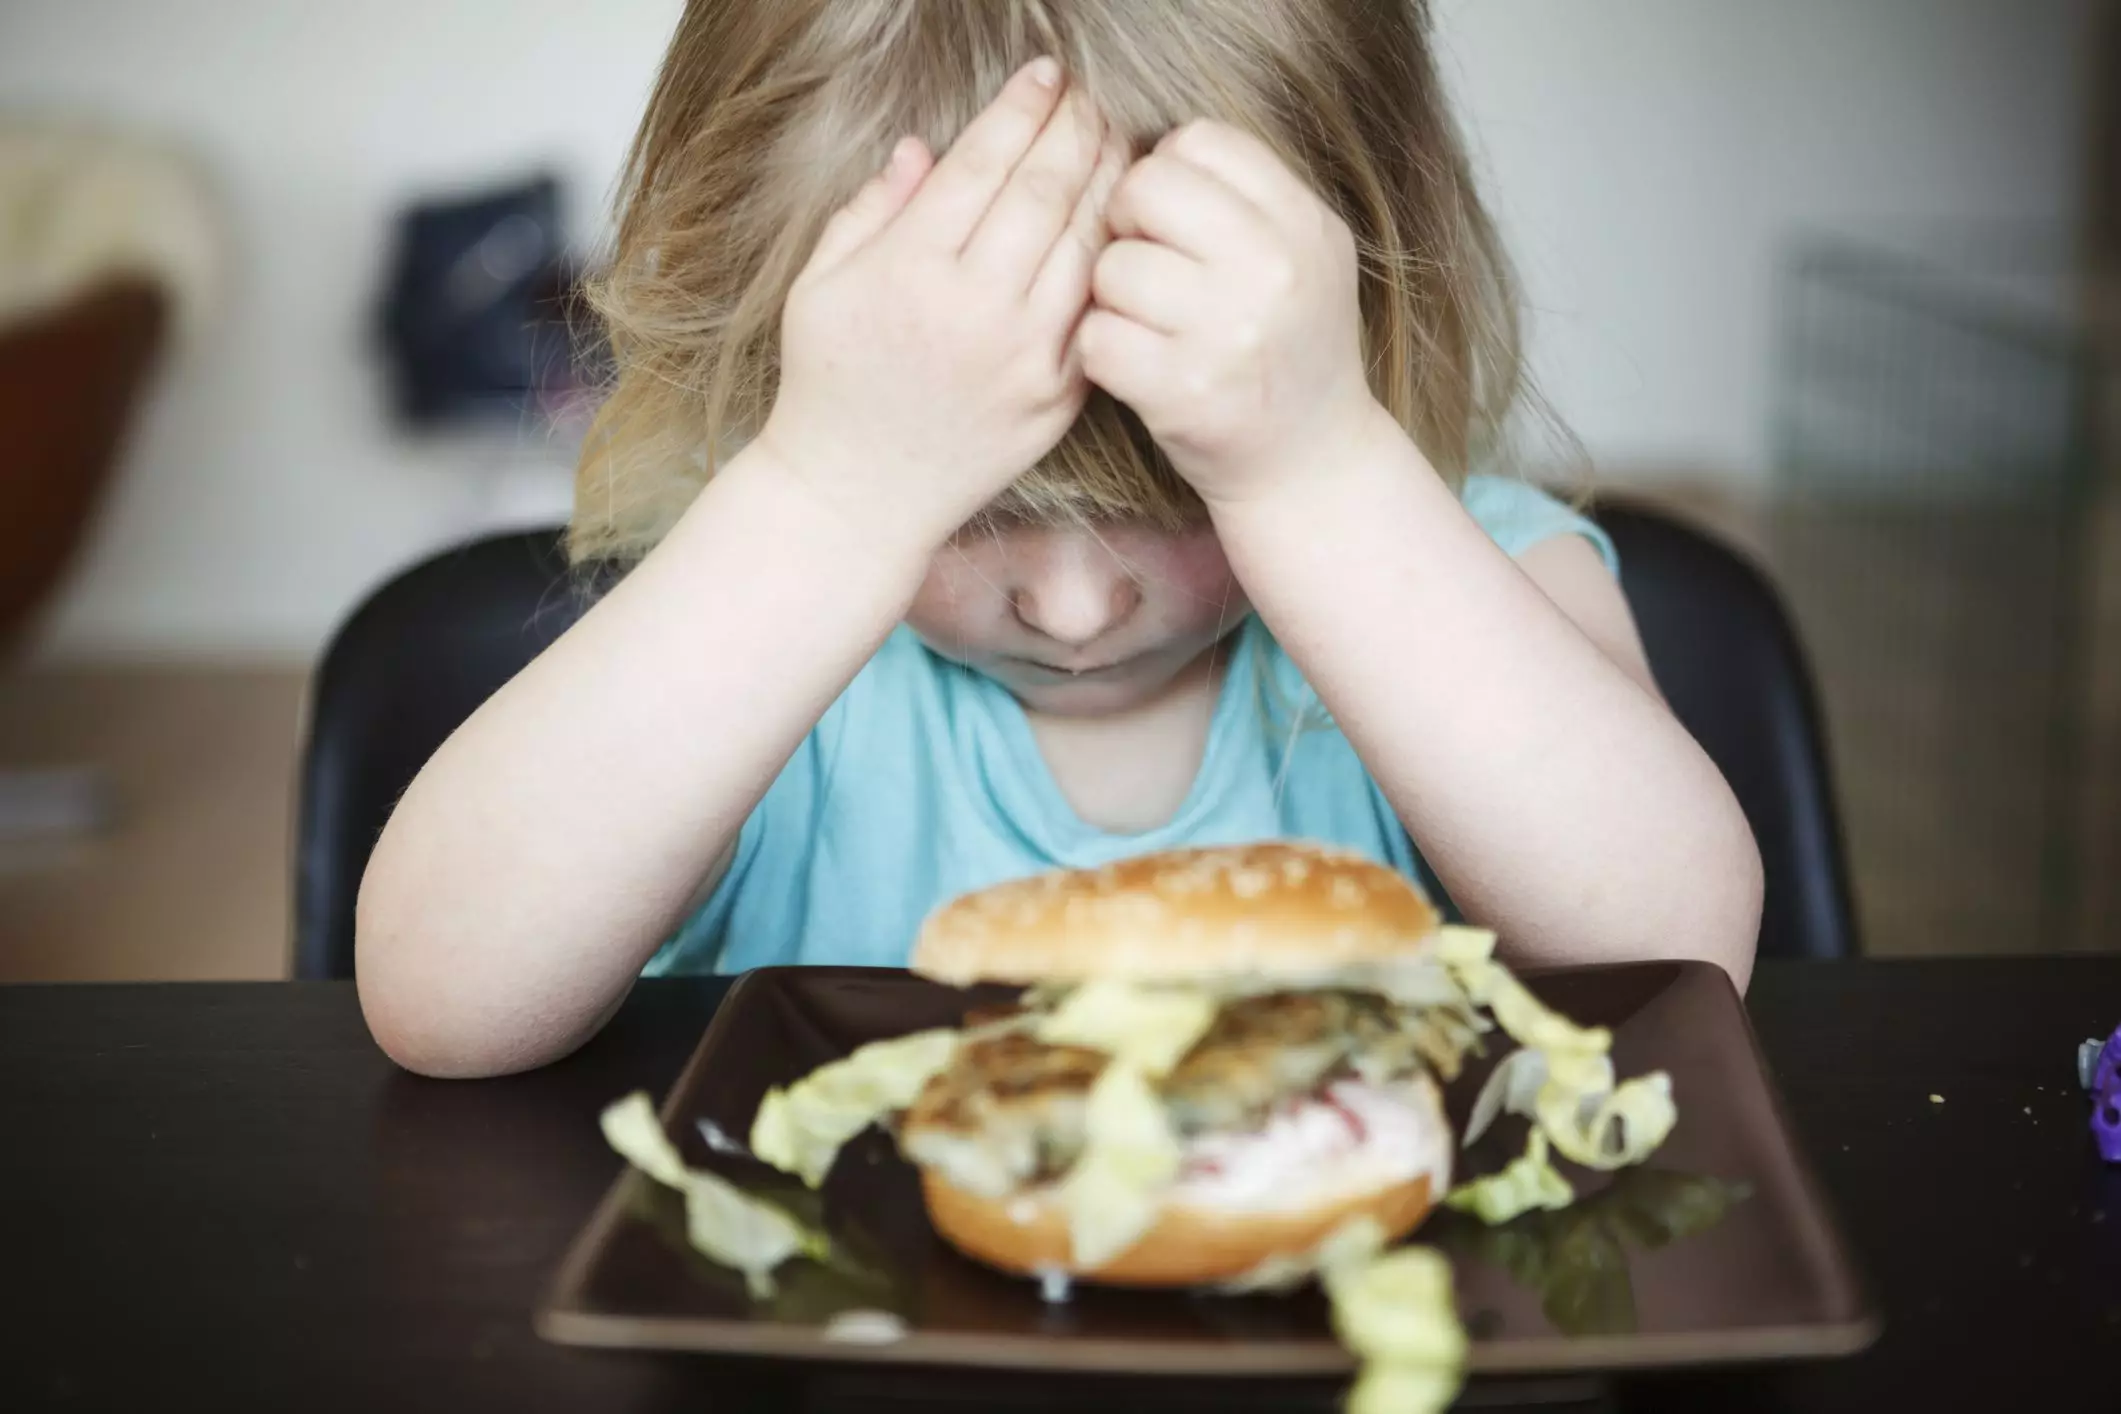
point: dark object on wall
(427, 648)
(1730, 664)
(70, 379)
(476, 318)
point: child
(1034, 484)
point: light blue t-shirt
(923, 781)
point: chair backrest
(428, 647)
(413, 662)
(1729, 662)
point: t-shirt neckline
(1055, 829)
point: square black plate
(1720, 1250)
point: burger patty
(1260, 1051)
(1010, 1107)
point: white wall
(265, 491)
(1651, 159)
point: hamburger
(1218, 1067)
(1222, 1067)
(1292, 1101)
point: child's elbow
(422, 1033)
(1731, 931)
(419, 1043)
(416, 1016)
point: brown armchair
(70, 378)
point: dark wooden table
(224, 1197)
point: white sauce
(865, 1328)
(1311, 1153)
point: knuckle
(1157, 167)
(1047, 188)
(1107, 276)
(978, 162)
(1121, 195)
(1193, 136)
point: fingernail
(1044, 71)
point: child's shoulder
(1518, 515)
(904, 690)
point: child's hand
(927, 358)
(1226, 315)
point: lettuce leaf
(1568, 1087)
(1529, 1181)
(1511, 1088)
(801, 1129)
(1402, 1389)
(1398, 1308)
(1609, 1129)
(1397, 1315)
(1112, 1193)
(721, 1220)
(1150, 1028)
(1457, 945)
(1528, 1021)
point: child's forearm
(1557, 798)
(557, 838)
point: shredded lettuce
(1402, 1389)
(1396, 1314)
(1511, 1088)
(1528, 1021)
(1610, 1129)
(1357, 1239)
(1131, 1155)
(723, 1222)
(1529, 1181)
(1417, 980)
(800, 1130)
(1458, 945)
(1566, 1085)
(630, 1126)
(1150, 1028)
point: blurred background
(280, 313)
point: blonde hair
(767, 117)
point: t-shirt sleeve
(772, 858)
(1518, 515)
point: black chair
(1729, 663)
(416, 659)
(428, 647)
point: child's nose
(1078, 596)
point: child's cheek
(955, 602)
(1187, 575)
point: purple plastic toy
(2100, 1070)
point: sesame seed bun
(1263, 909)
